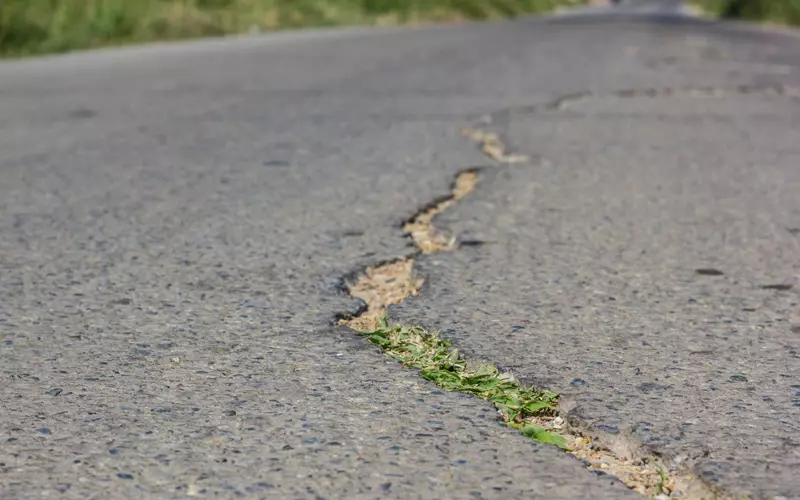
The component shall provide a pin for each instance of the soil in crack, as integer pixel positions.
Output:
(425, 235)
(380, 287)
(391, 283)
(492, 146)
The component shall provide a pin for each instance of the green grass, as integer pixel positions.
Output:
(42, 26)
(436, 361)
(777, 11)
(662, 478)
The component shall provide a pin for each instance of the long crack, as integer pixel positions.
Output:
(392, 283)
(425, 235)
(565, 102)
(492, 146)
(534, 413)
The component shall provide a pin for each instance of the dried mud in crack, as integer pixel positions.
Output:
(421, 229)
(380, 287)
(391, 283)
(625, 456)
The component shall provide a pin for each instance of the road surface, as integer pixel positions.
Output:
(176, 223)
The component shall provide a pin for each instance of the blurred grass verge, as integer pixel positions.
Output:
(42, 26)
(775, 11)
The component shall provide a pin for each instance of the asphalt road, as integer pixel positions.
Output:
(176, 222)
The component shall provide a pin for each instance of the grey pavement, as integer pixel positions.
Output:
(176, 221)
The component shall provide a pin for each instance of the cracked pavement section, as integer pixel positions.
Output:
(649, 275)
(379, 287)
(173, 233)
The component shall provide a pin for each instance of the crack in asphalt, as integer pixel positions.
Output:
(393, 282)
(421, 229)
(380, 286)
(493, 146)
(564, 102)
(608, 453)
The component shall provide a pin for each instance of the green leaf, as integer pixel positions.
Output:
(551, 397)
(539, 433)
(532, 430)
(512, 402)
(379, 339)
(452, 357)
(536, 407)
(550, 438)
(486, 371)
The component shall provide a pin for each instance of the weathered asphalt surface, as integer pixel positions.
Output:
(175, 223)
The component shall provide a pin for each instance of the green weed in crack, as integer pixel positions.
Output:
(437, 362)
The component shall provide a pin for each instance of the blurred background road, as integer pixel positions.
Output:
(176, 222)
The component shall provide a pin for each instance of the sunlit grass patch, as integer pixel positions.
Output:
(521, 407)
